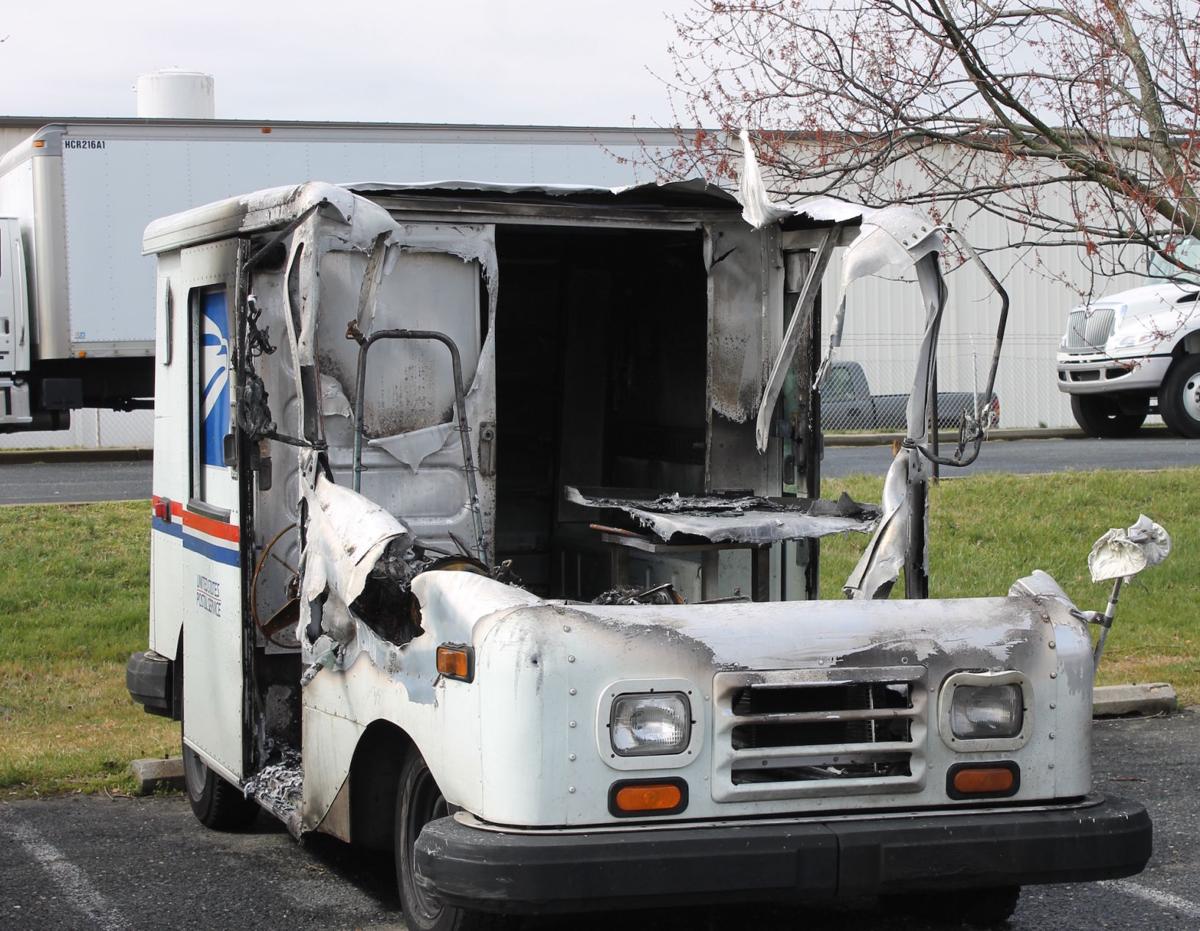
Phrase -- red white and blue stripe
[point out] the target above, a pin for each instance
(215, 539)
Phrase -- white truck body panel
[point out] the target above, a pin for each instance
(195, 560)
(14, 306)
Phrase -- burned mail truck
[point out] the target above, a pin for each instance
(485, 530)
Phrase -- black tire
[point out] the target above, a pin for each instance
(1100, 416)
(1179, 397)
(419, 801)
(975, 908)
(216, 803)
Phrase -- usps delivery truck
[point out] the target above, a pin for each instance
(485, 527)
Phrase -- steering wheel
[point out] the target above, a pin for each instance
(287, 616)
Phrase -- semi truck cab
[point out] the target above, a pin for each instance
(459, 493)
(1134, 353)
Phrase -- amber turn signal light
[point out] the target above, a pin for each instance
(994, 780)
(647, 797)
(456, 661)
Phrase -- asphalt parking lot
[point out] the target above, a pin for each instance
(96, 862)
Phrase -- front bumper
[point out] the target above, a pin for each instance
(1101, 374)
(490, 870)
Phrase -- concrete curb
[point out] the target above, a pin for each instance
(947, 438)
(110, 454)
(1110, 701)
(155, 774)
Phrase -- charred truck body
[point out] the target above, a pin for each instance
(456, 489)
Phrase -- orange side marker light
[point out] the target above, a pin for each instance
(455, 661)
(990, 780)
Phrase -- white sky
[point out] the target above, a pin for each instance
(580, 62)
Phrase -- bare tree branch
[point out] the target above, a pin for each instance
(1076, 122)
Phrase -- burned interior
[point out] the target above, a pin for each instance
(600, 380)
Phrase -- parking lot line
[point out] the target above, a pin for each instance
(78, 889)
(1157, 897)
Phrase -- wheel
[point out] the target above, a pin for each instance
(419, 801)
(1179, 397)
(1100, 416)
(216, 803)
(976, 908)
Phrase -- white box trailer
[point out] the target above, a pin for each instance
(76, 299)
(382, 403)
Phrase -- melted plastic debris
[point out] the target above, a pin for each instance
(664, 594)
(280, 789)
(1122, 553)
(736, 517)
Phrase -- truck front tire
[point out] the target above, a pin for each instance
(1100, 416)
(1179, 397)
(419, 801)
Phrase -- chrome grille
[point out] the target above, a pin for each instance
(818, 732)
(1089, 328)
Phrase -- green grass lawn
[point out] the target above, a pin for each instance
(73, 594)
(987, 531)
(73, 590)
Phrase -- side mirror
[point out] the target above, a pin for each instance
(1118, 556)
(1122, 554)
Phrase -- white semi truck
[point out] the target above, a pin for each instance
(456, 490)
(76, 298)
(1134, 353)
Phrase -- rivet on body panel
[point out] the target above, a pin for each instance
(1051, 735)
(571, 757)
(1052, 644)
(571, 789)
(566, 628)
(1053, 706)
(570, 659)
(572, 691)
(1054, 675)
(572, 724)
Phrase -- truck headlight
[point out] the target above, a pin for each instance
(1133, 341)
(980, 712)
(646, 723)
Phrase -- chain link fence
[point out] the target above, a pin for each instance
(90, 429)
(867, 388)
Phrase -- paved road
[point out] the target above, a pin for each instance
(1032, 456)
(115, 481)
(108, 864)
(35, 483)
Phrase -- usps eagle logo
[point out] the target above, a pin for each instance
(214, 373)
